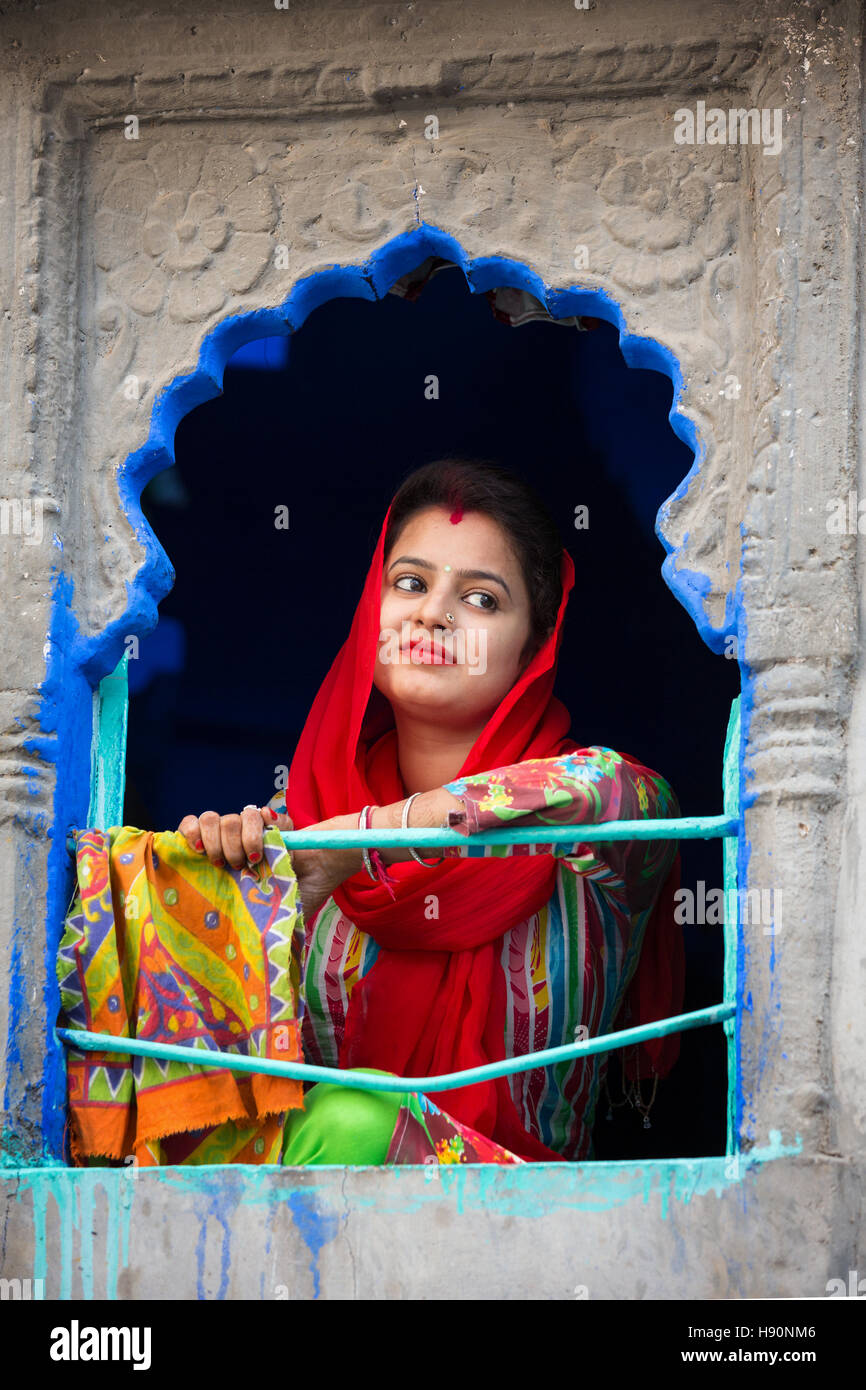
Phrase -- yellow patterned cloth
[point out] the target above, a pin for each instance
(161, 945)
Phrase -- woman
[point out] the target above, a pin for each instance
(438, 710)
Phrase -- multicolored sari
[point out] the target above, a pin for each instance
(569, 967)
(161, 945)
(433, 997)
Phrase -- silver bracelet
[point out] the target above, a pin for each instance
(404, 822)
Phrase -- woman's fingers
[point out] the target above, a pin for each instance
(251, 833)
(209, 825)
(189, 829)
(276, 818)
(236, 839)
(232, 841)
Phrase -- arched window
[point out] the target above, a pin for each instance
(311, 432)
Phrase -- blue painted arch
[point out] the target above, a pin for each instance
(99, 655)
(77, 663)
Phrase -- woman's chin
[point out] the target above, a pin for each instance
(437, 684)
(438, 689)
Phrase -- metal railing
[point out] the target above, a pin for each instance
(106, 809)
(364, 1081)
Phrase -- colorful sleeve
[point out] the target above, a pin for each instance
(587, 787)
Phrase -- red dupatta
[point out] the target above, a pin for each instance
(434, 1000)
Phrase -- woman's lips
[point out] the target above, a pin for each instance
(422, 651)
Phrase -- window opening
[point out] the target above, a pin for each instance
(109, 750)
(169, 491)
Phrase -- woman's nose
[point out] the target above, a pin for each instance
(433, 607)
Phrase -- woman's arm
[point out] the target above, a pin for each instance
(587, 787)
(428, 811)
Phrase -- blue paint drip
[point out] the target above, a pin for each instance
(225, 1254)
(528, 1191)
(317, 1228)
(65, 711)
(223, 1200)
(199, 1256)
(17, 1011)
(771, 1032)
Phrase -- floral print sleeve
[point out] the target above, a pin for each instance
(587, 787)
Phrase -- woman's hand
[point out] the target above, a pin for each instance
(235, 840)
(318, 875)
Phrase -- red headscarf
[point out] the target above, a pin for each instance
(434, 999)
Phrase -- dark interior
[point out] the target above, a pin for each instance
(328, 423)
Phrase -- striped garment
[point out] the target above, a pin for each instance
(567, 965)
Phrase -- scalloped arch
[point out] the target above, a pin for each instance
(99, 655)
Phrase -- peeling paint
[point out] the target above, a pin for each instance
(64, 1204)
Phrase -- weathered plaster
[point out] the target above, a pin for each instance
(122, 260)
(434, 1232)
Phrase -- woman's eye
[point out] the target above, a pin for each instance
(478, 598)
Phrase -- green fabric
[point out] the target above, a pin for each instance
(342, 1126)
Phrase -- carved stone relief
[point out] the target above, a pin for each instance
(187, 229)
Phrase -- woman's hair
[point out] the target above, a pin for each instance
(471, 485)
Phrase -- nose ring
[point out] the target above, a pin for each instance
(450, 617)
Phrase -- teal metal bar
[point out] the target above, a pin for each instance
(108, 758)
(731, 776)
(108, 748)
(681, 828)
(364, 1081)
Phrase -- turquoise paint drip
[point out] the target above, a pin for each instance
(111, 1239)
(40, 1260)
(526, 1191)
(71, 1193)
(46, 1186)
(64, 1203)
(85, 1237)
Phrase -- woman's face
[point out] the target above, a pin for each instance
(458, 666)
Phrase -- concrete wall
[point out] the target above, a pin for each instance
(127, 264)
